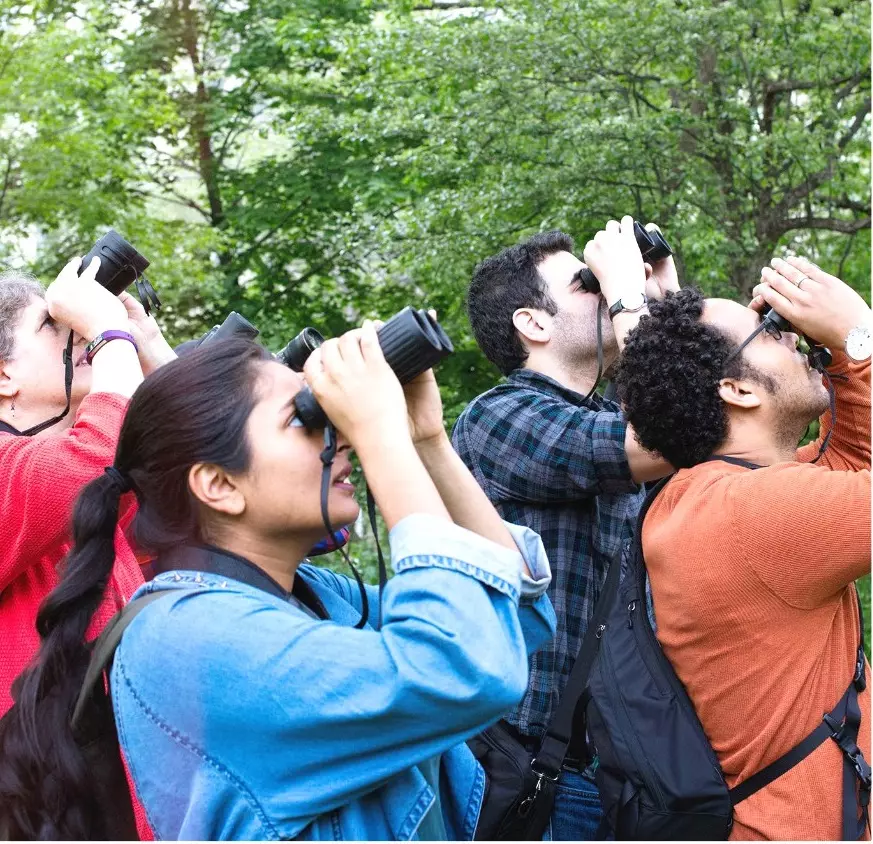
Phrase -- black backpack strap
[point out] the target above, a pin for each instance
(106, 644)
(840, 724)
(553, 748)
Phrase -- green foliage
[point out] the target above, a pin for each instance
(319, 162)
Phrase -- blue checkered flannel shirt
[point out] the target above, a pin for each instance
(552, 461)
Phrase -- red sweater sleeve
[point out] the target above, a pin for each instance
(41, 477)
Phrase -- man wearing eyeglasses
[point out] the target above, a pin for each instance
(753, 547)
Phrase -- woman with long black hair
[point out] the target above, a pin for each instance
(255, 708)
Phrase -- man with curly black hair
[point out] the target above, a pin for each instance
(753, 547)
(555, 456)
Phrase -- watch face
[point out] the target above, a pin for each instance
(859, 343)
(633, 302)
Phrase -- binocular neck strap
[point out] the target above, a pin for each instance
(832, 399)
(327, 457)
(68, 384)
(597, 378)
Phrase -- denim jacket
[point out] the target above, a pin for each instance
(241, 716)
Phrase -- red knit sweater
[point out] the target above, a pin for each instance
(40, 479)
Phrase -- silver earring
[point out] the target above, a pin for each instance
(13, 407)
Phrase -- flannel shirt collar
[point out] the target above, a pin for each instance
(533, 380)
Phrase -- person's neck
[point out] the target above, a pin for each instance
(758, 444)
(24, 420)
(279, 558)
(579, 377)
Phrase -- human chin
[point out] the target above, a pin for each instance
(342, 507)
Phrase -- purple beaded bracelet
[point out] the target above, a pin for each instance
(102, 339)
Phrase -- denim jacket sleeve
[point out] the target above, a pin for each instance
(307, 715)
(530, 547)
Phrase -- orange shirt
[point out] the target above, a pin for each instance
(752, 577)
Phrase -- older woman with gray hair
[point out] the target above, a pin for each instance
(55, 438)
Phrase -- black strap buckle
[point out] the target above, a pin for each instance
(847, 744)
(860, 678)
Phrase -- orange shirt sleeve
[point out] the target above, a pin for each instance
(806, 528)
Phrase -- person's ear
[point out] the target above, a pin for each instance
(8, 384)
(739, 393)
(533, 324)
(214, 487)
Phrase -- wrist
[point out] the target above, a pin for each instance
(155, 353)
(101, 326)
(103, 339)
(381, 442)
(433, 446)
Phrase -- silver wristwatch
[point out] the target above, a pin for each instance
(859, 342)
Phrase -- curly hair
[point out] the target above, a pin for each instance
(668, 380)
(504, 283)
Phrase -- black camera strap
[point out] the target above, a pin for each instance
(600, 304)
(327, 457)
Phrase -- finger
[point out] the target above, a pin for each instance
(70, 270)
(132, 305)
(331, 356)
(90, 272)
(350, 349)
(812, 271)
(433, 314)
(794, 275)
(758, 303)
(613, 227)
(649, 271)
(370, 348)
(786, 288)
(652, 227)
(783, 306)
(627, 226)
(314, 366)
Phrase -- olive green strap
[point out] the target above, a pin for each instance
(104, 647)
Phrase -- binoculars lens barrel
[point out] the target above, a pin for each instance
(412, 342)
(653, 247)
(120, 266)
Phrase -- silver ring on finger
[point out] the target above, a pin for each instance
(805, 278)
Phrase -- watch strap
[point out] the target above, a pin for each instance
(106, 337)
(618, 307)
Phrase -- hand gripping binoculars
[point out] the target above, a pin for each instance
(652, 245)
(412, 342)
(120, 266)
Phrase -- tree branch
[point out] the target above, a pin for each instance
(833, 224)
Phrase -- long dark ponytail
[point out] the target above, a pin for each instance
(193, 410)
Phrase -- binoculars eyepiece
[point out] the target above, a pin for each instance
(120, 266)
(652, 245)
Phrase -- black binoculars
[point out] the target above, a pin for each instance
(412, 342)
(819, 356)
(120, 266)
(652, 245)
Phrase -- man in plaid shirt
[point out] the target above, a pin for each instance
(554, 458)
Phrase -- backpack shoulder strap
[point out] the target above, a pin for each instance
(553, 748)
(106, 644)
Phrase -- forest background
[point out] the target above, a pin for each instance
(315, 163)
